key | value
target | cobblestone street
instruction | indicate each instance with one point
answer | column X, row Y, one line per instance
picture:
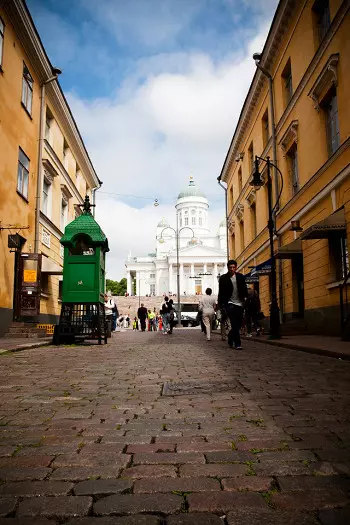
column 174, row 430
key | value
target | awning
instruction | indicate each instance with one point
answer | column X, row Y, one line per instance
column 293, row 249
column 324, row 229
column 49, row 266
column 262, row 268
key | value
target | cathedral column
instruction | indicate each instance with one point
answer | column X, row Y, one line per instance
column 170, row 277
column 157, row 281
column 193, row 285
column 182, row 283
column 215, row 279
column 128, row 282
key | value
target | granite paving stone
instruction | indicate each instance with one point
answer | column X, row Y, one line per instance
column 57, row 507
column 102, row 487
column 36, row 488
column 138, row 503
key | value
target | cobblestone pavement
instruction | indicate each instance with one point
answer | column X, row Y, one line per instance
column 174, row 430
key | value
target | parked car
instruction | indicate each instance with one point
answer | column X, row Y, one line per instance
column 189, row 313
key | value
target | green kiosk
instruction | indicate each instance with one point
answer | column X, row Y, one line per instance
column 82, row 314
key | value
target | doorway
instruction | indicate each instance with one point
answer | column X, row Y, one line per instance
column 198, row 286
column 298, row 286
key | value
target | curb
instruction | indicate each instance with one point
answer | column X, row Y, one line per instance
column 27, row 346
column 301, row 348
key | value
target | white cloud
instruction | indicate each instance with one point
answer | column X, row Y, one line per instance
column 150, row 137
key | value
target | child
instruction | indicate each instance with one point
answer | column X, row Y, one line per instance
column 135, row 325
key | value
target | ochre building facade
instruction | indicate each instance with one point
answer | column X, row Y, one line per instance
column 45, row 170
column 307, row 56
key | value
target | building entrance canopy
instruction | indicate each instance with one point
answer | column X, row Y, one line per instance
column 335, row 223
column 293, row 249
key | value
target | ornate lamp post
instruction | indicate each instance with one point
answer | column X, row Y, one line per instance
column 257, row 182
column 177, row 237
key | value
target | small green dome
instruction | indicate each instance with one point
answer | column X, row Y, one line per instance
column 191, row 191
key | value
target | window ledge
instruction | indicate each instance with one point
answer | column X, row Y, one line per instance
column 26, row 110
column 336, row 284
column 23, row 197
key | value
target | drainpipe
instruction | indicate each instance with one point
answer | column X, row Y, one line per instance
column 257, row 58
column 226, row 213
column 39, row 181
column 93, row 196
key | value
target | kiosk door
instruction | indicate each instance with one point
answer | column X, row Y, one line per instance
column 28, row 289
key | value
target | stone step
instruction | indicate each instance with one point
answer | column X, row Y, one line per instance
column 25, row 335
column 26, row 330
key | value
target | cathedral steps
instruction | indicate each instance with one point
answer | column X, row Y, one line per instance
column 129, row 305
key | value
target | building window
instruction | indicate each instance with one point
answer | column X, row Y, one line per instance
column 240, row 180
column 152, row 289
column 27, row 89
column 60, row 289
column 287, row 82
column 251, row 157
column 253, row 220
column 46, row 197
column 193, row 221
column 292, row 159
column 339, row 257
column 265, row 127
column 48, row 122
column 231, row 196
column 233, row 246
column 152, row 275
column 2, row 31
column 330, row 108
column 65, row 155
column 241, row 232
column 23, row 174
column 200, row 221
column 322, row 18
column 180, row 222
column 44, row 283
column 64, row 214
column 186, row 221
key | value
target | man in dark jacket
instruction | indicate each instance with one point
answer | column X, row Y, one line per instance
column 232, row 293
column 142, row 315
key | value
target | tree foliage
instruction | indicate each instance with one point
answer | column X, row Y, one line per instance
column 116, row 287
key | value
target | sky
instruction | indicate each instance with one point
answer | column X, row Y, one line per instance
column 156, row 88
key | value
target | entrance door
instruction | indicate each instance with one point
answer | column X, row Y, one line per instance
column 28, row 285
column 298, row 286
column 198, row 286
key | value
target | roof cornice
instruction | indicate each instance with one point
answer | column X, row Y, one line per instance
column 278, row 28
column 27, row 33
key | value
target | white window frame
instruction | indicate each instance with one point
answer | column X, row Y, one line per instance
column 2, row 37
column 23, row 174
column 186, row 221
column 27, row 89
column 46, row 204
column 64, row 214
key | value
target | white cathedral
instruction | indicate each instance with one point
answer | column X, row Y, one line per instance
column 201, row 254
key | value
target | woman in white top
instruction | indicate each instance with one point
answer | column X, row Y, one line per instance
column 207, row 306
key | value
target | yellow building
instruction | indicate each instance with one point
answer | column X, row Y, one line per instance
column 306, row 133
column 45, row 170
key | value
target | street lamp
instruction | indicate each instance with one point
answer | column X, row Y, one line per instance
column 143, row 278
column 257, row 182
column 177, row 236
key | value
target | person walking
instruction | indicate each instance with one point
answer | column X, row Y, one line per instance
column 165, row 310
column 252, row 309
column 171, row 316
column 207, row 306
column 142, row 315
column 135, row 324
column 233, row 292
column 109, row 308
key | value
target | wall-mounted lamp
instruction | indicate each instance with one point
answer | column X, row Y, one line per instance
column 295, row 226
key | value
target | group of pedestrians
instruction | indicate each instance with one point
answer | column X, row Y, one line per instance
column 162, row 321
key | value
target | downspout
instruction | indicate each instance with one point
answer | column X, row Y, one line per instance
column 39, row 169
column 226, row 214
column 274, row 156
column 93, row 196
